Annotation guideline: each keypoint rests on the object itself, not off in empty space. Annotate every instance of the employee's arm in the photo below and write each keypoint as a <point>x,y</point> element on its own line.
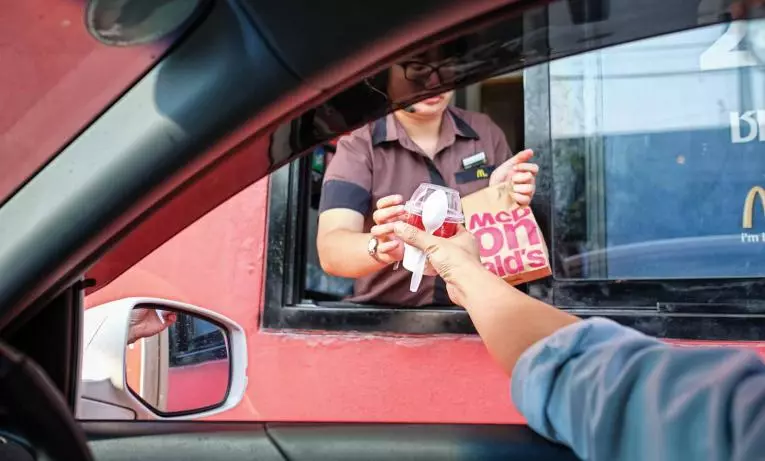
<point>346,198</point>
<point>343,246</point>
<point>606,391</point>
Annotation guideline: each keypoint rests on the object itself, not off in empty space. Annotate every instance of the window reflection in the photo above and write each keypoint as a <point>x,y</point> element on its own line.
<point>656,145</point>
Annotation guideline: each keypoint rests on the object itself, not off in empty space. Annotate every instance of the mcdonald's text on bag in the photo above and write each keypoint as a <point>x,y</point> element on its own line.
<point>497,232</point>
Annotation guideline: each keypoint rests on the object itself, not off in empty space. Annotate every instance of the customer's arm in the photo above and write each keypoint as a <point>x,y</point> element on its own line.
<point>508,321</point>
<point>610,392</point>
<point>607,391</point>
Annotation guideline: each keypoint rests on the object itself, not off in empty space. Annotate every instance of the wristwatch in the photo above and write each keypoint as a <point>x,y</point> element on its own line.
<point>372,250</point>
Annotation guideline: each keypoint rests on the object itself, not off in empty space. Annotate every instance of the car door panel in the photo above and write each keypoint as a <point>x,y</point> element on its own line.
<point>332,442</point>
<point>180,441</point>
<point>336,442</point>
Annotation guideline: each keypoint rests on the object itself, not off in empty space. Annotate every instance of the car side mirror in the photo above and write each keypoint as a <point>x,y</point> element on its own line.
<point>153,359</point>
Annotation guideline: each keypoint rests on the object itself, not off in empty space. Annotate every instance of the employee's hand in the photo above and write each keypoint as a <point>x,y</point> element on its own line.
<point>389,210</point>
<point>457,261</point>
<point>521,173</point>
<point>146,322</point>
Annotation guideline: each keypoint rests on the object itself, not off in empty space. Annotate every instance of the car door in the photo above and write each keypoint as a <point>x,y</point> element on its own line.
<point>457,383</point>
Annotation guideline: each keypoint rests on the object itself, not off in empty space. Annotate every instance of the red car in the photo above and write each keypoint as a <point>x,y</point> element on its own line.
<point>164,158</point>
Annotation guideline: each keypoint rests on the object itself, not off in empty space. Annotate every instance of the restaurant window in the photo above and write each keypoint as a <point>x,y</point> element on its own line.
<point>651,192</point>
<point>656,149</point>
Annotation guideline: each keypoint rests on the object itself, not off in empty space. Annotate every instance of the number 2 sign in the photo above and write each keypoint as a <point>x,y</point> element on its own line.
<point>726,52</point>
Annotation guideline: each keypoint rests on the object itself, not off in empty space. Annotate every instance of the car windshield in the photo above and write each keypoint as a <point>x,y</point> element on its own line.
<point>56,79</point>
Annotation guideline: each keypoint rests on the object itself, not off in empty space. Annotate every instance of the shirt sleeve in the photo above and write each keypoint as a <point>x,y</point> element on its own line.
<point>610,392</point>
<point>348,180</point>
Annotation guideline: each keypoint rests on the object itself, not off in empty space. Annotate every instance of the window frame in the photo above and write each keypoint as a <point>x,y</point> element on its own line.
<point>684,312</point>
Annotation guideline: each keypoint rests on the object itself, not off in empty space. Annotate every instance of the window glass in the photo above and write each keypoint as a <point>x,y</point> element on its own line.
<point>658,149</point>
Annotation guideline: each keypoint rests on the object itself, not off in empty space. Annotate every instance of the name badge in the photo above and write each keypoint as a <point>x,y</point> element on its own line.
<point>474,174</point>
<point>474,160</point>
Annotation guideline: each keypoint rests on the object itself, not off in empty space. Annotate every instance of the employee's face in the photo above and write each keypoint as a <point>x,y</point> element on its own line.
<point>404,81</point>
<point>435,105</point>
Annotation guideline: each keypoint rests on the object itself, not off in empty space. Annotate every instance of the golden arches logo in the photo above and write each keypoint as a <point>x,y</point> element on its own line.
<point>748,214</point>
<point>481,173</point>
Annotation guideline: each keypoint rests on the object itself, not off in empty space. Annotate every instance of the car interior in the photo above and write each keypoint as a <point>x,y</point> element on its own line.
<point>165,151</point>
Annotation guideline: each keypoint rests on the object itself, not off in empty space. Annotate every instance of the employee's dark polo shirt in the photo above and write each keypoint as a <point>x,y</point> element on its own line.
<point>380,159</point>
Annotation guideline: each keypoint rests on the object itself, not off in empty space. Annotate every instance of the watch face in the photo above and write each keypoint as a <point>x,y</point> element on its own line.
<point>372,246</point>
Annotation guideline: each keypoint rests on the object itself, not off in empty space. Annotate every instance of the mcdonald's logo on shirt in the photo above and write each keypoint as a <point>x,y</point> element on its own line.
<point>747,218</point>
<point>474,174</point>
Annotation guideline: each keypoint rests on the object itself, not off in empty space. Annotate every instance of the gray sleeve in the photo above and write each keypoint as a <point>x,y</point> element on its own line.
<point>612,393</point>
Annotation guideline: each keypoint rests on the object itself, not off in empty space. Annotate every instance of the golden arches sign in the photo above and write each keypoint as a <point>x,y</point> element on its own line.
<point>748,214</point>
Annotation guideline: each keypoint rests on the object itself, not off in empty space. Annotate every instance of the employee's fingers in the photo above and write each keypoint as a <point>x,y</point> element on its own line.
<point>385,215</point>
<point>522,178</point>
<point>503,172</point>
<point>382,230</point>
<point>522,157</point>
<point>388,247</point>
<point>526,189</point>
<point>532,168</point>
<point>389,200</point>
<point>522,199</point>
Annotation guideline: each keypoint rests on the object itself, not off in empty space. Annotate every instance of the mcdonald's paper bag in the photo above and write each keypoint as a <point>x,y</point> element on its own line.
<point>509,239</point>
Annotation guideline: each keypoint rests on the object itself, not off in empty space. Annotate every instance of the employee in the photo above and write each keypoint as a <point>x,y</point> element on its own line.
<point>378,166</point>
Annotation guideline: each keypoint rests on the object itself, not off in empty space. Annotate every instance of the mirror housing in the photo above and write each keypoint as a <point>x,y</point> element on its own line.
<point>104,393</point>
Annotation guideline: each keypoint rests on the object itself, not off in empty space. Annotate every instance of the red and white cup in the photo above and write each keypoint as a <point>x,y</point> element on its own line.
<point>413,207</point>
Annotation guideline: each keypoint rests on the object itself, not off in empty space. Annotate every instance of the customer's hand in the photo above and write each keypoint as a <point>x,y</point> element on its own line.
<point>521,173</point>
<point>146,322</point>
<point>456,260</point>
<point>390,210</point>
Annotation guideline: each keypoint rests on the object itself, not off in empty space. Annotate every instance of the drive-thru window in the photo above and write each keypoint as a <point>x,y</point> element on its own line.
<point>650,192</point>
